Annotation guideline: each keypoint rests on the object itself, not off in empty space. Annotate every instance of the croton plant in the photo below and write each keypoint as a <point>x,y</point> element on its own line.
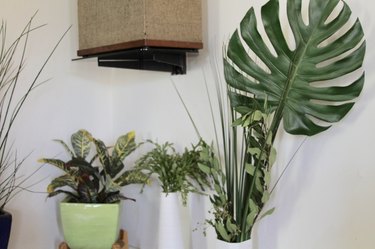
<point>94,177</point>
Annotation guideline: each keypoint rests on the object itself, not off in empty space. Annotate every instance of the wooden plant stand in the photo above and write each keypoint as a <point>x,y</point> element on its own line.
<point>121,243</point>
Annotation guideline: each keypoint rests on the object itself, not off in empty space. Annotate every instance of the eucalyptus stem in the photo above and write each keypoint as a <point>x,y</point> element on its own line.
<point>244,236</point>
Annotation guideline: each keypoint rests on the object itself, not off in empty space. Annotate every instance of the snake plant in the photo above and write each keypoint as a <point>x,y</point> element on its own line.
<point>83,180</point>
<point>303,86</point>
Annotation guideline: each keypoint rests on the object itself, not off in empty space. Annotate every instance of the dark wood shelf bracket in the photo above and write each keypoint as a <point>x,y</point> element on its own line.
<point>148,58</point>
<point>144,55</point>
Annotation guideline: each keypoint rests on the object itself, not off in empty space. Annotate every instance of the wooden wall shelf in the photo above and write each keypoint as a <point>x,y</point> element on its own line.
<point>90,52</point>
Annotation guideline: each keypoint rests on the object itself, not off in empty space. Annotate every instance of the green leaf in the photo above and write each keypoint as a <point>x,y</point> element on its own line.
<point>222,231</point>
<point>205,155</point>
<point>272,157</point>
<point>218,188</point>
<point>115,167</point>
<point>258,184</point>
<point>104,158</point>
<point>206,169</point>
<point>223,198</point>
<point>250,169</point>
<point>66,147</point>
<point>62,181</point>
<point>72,197</point>
<point>232,228</point>
<point>237,122</point>
<point>250,219</point>
<point>132,177</point>
<point>265,197</point>
<point>87,192</point>
<point>267,177</point>
<point>243,109</point>
<point>81,142</point>
<point>257,116</point>
<point>246,121</point>
<point>55,162</point>
<point>269,139</point>
<point>83,166</point>
<point>125,145</point>
<point>254,211</point>
<point>254,151</point>
<point>253,206</point>
<point>287,83</point>
<point>269,212</point>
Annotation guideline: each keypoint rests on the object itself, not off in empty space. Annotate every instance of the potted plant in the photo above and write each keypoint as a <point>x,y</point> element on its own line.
<point>90,213</point>
<point>13,94</point>
<point>231,169</point>
<point>178,174</point>
<point>275,85</point>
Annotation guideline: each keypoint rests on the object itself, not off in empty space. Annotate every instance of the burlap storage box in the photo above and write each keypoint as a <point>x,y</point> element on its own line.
<point>110,25</point>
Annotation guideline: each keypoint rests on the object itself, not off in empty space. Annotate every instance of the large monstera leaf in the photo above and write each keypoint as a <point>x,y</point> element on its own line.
<point>293,81</point>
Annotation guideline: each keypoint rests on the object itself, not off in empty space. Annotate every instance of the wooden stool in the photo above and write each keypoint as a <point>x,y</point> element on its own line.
<point>121,243</point>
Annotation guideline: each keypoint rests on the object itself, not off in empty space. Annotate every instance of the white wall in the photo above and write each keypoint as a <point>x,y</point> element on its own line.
<point>325,200</point>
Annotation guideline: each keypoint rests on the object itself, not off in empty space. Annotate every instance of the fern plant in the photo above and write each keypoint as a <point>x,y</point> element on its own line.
<point>176,172</point>
<point>85,181</point>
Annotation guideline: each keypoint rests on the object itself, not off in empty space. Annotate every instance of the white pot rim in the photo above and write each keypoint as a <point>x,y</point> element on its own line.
<point>89,205</point>
<point>247,244</point>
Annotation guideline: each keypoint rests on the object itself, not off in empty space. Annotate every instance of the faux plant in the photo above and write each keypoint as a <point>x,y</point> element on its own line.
<point>176,172</point>
<point>13,94</point>
<point>278,85</point>
<point>245,146</point>
<point>98,179</point>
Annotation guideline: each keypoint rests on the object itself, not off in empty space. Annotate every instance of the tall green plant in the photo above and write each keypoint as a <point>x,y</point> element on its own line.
<point>242,143</point>
<point>293,83</point>
<point>246,146</point>
<point>12,99</point>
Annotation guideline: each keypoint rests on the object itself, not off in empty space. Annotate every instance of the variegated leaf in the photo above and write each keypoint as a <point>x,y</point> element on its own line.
<point>66,147</point>
<point>124,146</point>
<point>62,181</point>
<point>81,142</point>
<point>103,155</point>
<point>132,177</point>
<point>55,162</point>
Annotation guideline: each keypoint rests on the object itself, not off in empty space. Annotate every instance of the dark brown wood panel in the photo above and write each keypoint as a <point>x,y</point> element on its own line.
<point>139,44</point>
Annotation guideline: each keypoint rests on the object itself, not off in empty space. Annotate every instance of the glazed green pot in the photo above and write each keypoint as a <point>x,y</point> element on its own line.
<point>90,226</point>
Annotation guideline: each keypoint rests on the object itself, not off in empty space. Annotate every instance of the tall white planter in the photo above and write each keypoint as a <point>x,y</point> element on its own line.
<point>248,244</point>
<point>170,222</point>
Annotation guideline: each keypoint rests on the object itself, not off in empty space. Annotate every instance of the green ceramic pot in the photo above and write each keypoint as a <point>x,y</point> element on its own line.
<point>90,226</point>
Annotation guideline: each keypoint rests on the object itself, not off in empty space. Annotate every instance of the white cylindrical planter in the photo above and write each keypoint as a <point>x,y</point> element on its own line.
<point>241,245</point>
<point>170,222</point>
